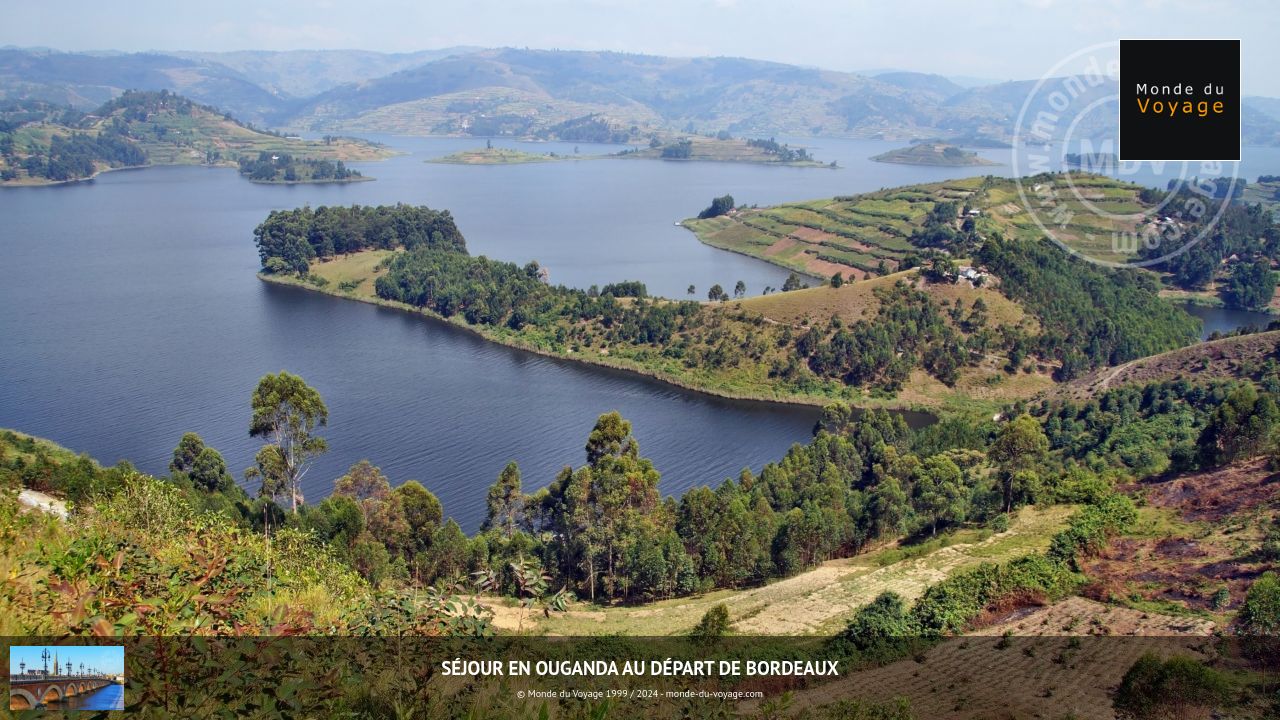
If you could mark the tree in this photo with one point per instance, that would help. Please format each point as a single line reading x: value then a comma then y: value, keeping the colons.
x: 793, y: 282
x: 209, y: 472
x: 600, y: 512
x: 940, y: 491
x: 1259, y: 619
x: 287, y: 412
x: 1242, y: 425
x: 837, y: 279
x: 1019, y: 445
x: 942, y: 269
x: 693, y: 290
x: 888, y: 506
x: 719, y: 206
x: 185, y: 454
x: 739, y: 289
x: 505, y: 501
x: 610, y: 436
x: 337, y: 520
x: 1260, y: 614
x: 384, y: 514
x: 717, y: 293
x: 422, y: 510
x: 363, y: 482
x: 1251, y: 284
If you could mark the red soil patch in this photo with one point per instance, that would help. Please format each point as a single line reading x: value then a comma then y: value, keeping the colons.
x: 811, y: 235
x: 1214, y: 495
x: 1189, y: 570
x: 780, y: 246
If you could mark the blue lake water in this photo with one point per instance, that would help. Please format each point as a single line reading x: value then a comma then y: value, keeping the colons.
x: 130, y: 314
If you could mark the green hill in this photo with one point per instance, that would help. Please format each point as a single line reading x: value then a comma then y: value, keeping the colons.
x: 855, y: 234
x: 43, y: 143
x: 929, y: 153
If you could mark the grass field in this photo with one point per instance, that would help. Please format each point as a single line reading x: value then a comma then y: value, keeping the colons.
x: 359, y: 270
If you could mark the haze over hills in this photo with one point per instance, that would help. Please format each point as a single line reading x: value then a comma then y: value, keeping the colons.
x: 529, y: 93
x: 303, y: 73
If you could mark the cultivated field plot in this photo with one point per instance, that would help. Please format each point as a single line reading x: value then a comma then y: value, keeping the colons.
x: 998, y: 678
x: 870, y: 234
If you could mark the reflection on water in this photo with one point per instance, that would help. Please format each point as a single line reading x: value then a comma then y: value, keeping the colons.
x: 110, y: 697
x: 1224, y: 320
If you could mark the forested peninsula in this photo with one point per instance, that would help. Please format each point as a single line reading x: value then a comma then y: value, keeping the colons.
x: 921, y: 336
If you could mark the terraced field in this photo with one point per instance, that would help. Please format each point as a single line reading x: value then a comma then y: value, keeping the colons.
x: 869, y: 234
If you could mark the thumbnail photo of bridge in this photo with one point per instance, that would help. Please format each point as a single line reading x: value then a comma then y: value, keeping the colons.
x: 66, y: 677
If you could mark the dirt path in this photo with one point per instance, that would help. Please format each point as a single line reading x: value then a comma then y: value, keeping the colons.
x: 37, y: 500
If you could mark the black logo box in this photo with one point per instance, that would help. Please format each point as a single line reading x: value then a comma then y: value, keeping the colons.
x: 1188, y: 65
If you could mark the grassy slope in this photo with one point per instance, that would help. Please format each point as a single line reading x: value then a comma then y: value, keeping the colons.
x: 984, y: 386
x: 12, y: 444
x: 1223, y: 358
x: 817, y: 601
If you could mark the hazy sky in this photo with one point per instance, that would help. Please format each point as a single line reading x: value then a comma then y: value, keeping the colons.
x: 999, y: 39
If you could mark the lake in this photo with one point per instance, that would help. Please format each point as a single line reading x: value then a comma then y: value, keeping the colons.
x: 130, y: 314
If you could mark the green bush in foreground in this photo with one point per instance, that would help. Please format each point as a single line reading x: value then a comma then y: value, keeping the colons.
x: 1154, y: 689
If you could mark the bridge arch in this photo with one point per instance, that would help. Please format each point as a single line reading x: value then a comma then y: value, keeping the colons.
x: 20, y: 699
x: 70, y: 689
x: 53, y: 693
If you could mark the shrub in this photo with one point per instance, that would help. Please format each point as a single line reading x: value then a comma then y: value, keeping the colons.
x: 1090, y: 528
x: 714, y: 624
x: 1173, y: 688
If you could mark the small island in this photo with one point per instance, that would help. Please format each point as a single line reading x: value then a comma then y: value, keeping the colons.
x: 1091, y: 161
x: 497, y: 156
x: 723, y: 148
x: 282, y: 169
x: 930, y: 153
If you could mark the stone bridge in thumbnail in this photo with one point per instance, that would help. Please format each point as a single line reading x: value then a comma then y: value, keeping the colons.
x: 33, y: 691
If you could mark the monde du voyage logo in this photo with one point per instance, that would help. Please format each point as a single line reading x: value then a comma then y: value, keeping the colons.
x: 1179, y: 100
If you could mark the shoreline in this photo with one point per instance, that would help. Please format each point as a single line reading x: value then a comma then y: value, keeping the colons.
x: 762, y: 258
x: 72, y: 181
x: 605, y: 361
x: 362, y: 178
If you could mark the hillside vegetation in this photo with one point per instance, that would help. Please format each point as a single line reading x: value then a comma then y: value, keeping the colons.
x: 41, y: 143
x: 935, y: 154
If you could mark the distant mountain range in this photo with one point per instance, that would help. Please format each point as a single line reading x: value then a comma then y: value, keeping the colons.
x: 531, y: 93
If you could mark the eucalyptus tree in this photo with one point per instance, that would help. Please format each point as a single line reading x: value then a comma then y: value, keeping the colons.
x: 286, y: 412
